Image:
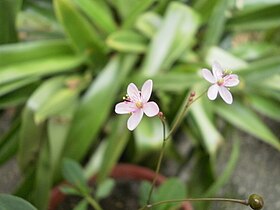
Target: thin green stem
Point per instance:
(182, 114)
(93, 202)
(178, 120)
(174, 127)
(244, 202)
(158, 163)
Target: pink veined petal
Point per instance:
(146, 90)
(133, 92)
(208, 76)
(226, 95)
(217, 70)
(213, 92)
(231, 80)
(151, 109)
(125, 107)
(134, 119)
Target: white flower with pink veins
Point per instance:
(136, 103)
(221, 80)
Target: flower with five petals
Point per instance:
(137, 103)
(221, 80)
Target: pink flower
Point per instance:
(136, 103)
(221, 80)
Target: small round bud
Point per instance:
(256, 202)
(161, 115)
(192, 94)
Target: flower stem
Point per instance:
(178, 120)
(158, 163)
(93, 202)
(189, 101)
(244, 202)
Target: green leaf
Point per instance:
(31, 138)
(9, 142)
(56, 104)
(8, 150)
(227, 60)
(211, 137)
(135, 11)
(8, 12)
(32, 51)
(96, 160)
(96, 105)
(173, 188)
(99, 13)
(113, 149)
(246, 120)
(266, 106)
(148, 23)
(69, 190)
(43, 176)
(261, 69)
(176, 34)
(254, 50)
(82, 205)
(14, 203)
(201, 177)
(269, 87)
(9, 87)
(148, 137)
(229, 169)
(17, 97)
(39, 68)
(26, 185)
(123, 7)
(73, 173)
(127, 41)
(31, 134)
(58, 128)
(258, 18)
(105, 188)
(83, 36)
(44, 92)
(205, 8)
(186, 30)
(144, 190)
(44, 8)
(216, 23)
(175, 81)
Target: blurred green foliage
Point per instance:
(65, 63)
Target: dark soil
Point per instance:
(123, 197)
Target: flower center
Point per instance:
(220, 82)
(139, 105)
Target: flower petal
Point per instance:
(231, 80)
(134, 119)
(226, 95)
(208, 76)
(151, 109)
(133, 92)
(125, 107)
(146, 90)
(213, 92)
(217, 70)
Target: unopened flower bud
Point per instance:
(256, 202)
(161, 115)
(192, 94)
